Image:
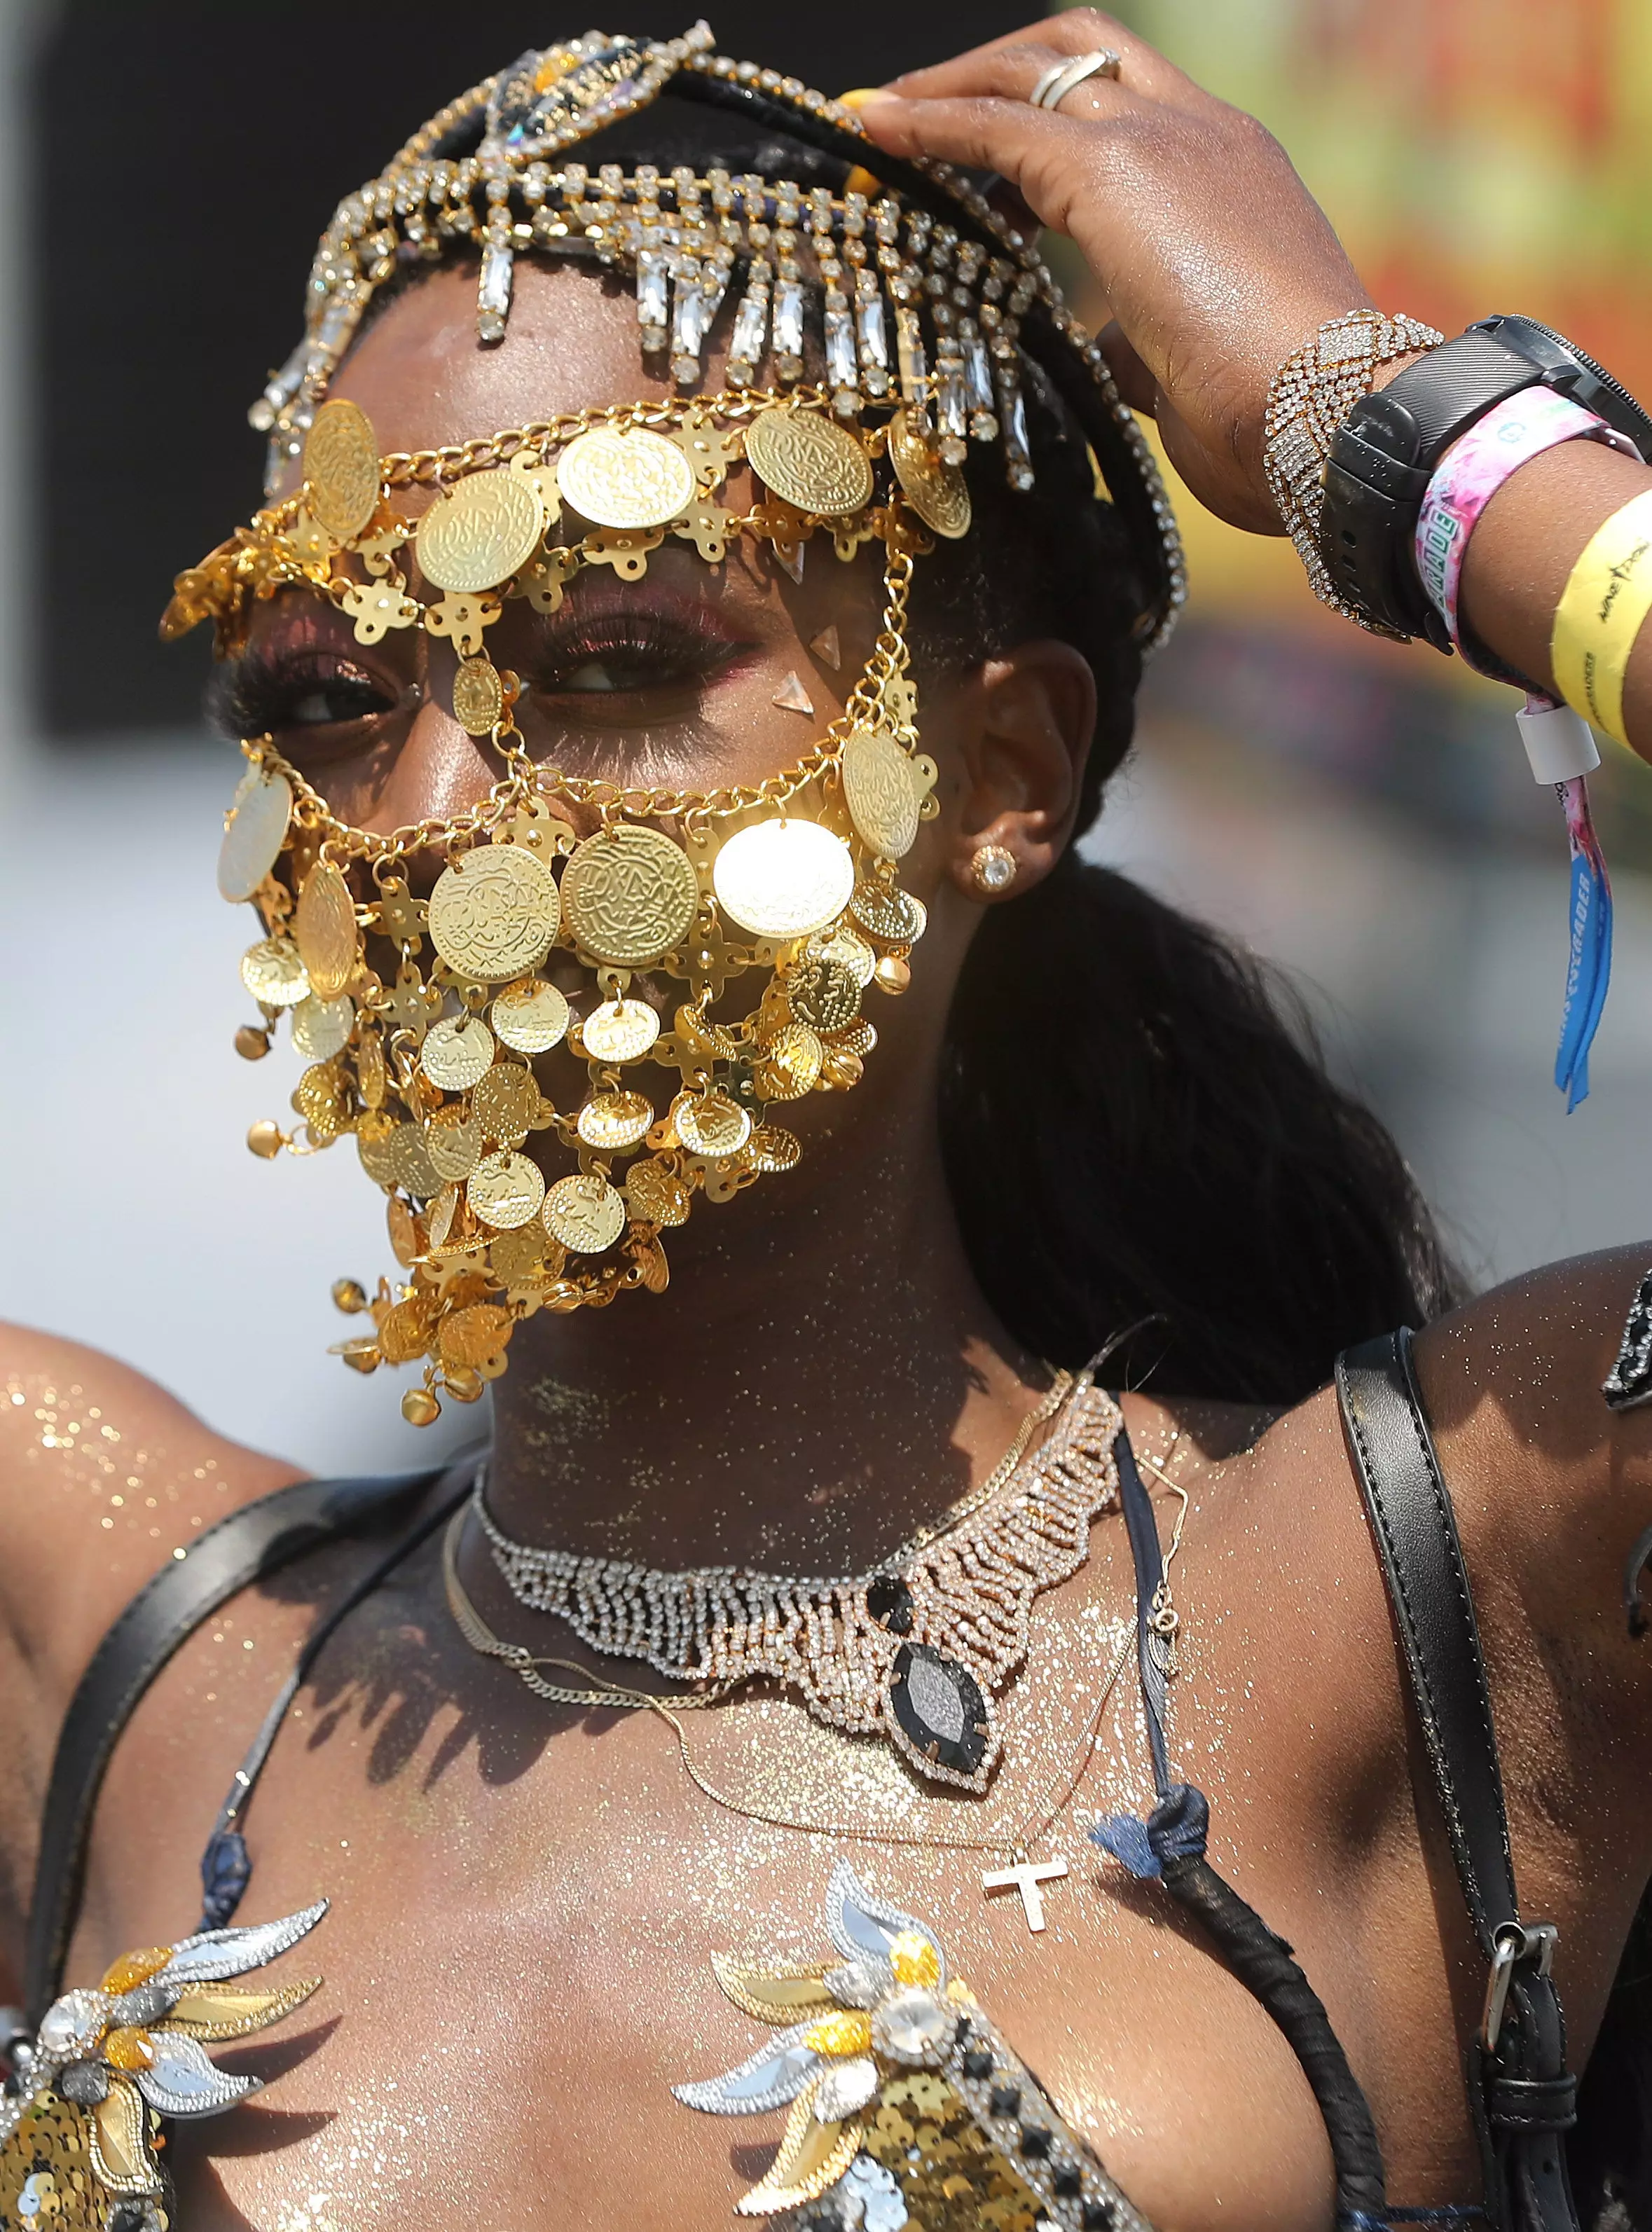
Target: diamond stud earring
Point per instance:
(993, 869)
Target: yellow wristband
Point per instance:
(1605, 600)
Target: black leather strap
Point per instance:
(246, 1546)
(1521, 2094)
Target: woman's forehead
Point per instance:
(425, 381)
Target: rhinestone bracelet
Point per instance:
(1308, 399)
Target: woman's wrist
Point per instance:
(1520, 556)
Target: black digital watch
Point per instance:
(1385, 452)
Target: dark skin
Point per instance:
(526, 1898)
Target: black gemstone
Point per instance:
(1036, 2143)
(889, 1602)
(1004, 2100)
(1097, 2217)
(1067, 2181)
(939, 1708)
(977, 2065)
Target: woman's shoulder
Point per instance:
(103, 1477)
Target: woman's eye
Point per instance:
(598, 660)
(341, 698)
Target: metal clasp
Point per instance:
(1514, 1942)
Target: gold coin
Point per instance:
(406, 1241)
(453, 1145)
(614, 1122)
(473, 1335)
(850, 950)
(784, 877)
(457, 1052)
(529, 1017)
(629, 894)
(481, 534)
(323, 1028)
(273, 971)
(656, 1193)
(938, 492)
(414, 1172)
(790, 1064)
(505, 1103)
(810, 461)
(711, 1125)
(374, 1135)
(529, 1253)
(584, 1213)
(323, 1100)
(625, 479)
(769, 1148)
(620, 1030)
(405, 1333)
(505, 1191)
(478, 696)
(889, 914)
(821, 991)
(324, 924)
(880, 793)
(341, 470)
(494, 912)
(255, 833)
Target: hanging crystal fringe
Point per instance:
(872, 336)
(914, 366)
(493, 292)
(1012, 412)
(788, 330)
(751, 328)
(841, 367)
(283, 386)
(978, 381)
(950, 407)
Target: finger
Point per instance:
(1009, 67)
(1033, 150)
(1135, 383)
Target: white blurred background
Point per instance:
(1414, 886)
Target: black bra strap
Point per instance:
(1521, 2094)
(245, 1546)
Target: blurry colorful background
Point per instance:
(1359, 812)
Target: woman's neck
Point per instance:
(822, 1377)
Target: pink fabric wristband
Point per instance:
(1474, 468)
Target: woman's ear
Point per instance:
(1024, 730)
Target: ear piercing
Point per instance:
(993, 869)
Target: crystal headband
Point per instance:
(934, 311)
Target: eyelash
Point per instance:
(264, 693)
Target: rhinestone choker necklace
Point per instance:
(915, 1651)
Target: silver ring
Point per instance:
(1058, 80)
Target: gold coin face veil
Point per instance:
(771, 912)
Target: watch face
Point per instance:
(1597, 390)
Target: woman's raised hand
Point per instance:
(1215, 260)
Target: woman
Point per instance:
(531, 1879)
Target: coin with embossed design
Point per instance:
(255, 834)
(770, 1148)
(625, 479)
(847, 946)
(341, 468)
(324, 925)
(505, 1191)
(530, 1017)
(584, 1213)
(656, 1193)
(505, 1102)
(889, 913)
(323, 1028)
(610, 1122)
(783, 878)
(710, 1124)
(620, 1030)
(791, 1063)
(810, 461)
(938, 492)
(629, 894)
(457, 1052)
(822, 992)
(478, 696)
(880, 793)
(414, 1171)
(493, 913)
(480, 533)
(453, 1145)
(273, 971)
